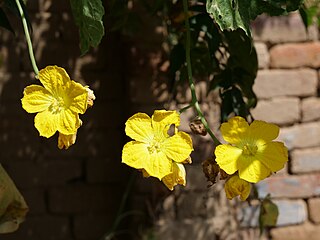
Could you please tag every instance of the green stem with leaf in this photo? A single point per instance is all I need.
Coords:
(28, 38)
(195, 102)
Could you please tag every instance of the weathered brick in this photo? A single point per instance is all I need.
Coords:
(278, 110)
(314, 209)
(294, 186)
(263, 54)
(196, 228)
(282, 29)
(305, 160)
(301, 136)
(42, 227)
(290, 212)
(196, 179)
(273, 83)
(191, 204)
(92, 226)
(84, 199)
(28, 174)
(295, 55)
(310, 108)
(306, 231)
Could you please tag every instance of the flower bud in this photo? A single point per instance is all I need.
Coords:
(91, 97)
(236, 186)
(197, 127)
(65, 141)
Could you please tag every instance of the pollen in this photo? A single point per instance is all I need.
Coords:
(249, 150)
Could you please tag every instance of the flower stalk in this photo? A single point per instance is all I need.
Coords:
(195, 102)
(28, 38)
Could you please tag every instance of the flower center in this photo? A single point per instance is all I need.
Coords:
(249, 149)
(154, 147)
(57, 105)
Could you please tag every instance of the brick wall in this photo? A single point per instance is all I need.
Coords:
(287, 86)
(73, 194)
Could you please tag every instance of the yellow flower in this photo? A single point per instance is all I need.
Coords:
(13, 208)
(57, 104)
(252, 153)
(236, 186)
(178, 176)
(154, 150)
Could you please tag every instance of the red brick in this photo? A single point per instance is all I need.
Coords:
(300, 232)
(295, 186)
(92, 226)
(278, 110)
(28, 174)
(310, 109)
(274, 83)
(282, 29)
(84, 199)
(105, 170)
(301, 136)
(42, 227)
(314, 210)
(35, 199)
(295, 55)
(305, 160)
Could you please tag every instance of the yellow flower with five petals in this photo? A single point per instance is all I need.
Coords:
(57, 104)
(251, 151)
(154, 150)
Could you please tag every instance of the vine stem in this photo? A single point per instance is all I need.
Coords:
(28, 38)
(195, 102)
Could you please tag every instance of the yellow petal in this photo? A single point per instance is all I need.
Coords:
(178, 176)
(274, 155)
(234, 130)
(162, 120)
(263, 130)
(135, 154)
(227, 157)
(78, 96)
(13, 208)
(252, 170)
(36, 99)
(178, 147)
(65, 141)
(138, 127)
(235, 186)
(69, 122)
(46, 123)
(53, 77)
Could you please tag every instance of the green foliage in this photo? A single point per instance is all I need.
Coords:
(88, 17)
(11, 6)
(234, 14)
(268, 214)
(310, 12)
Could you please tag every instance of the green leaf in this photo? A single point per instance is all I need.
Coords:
(4, 21)
(234, 14)
(88, 17)
(268, 214)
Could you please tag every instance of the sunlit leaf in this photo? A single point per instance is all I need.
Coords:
(234, 14)
(268, 214)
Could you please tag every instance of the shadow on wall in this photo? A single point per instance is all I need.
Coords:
(73, 194)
